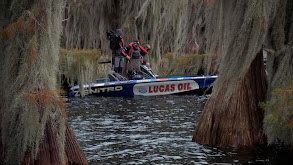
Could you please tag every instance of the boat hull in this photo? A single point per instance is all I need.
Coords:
(146, 87)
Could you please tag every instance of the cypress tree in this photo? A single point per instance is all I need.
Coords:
(33, 128)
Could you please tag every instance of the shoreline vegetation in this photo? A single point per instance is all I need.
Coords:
(80, 66)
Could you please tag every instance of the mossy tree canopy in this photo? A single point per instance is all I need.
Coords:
(168, 27)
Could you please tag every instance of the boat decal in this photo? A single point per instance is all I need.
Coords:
(144, 80)
(99, 84)
(204, 77)
(164, 88)
(99, 90)
(161, 79)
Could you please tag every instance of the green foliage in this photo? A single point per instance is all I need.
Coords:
(278, 121)
(80, 57)
(262, 105)
(188, 64)
(79, 65)
(191, 62)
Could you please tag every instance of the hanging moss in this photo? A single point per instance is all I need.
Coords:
(278, 117)
(288, 24)
(165, 65)
(236, 52)
(28, 78)
(278, 122)
(189, 64)
(235, 31)
(19, 6)
(168, 27)
(81, 66)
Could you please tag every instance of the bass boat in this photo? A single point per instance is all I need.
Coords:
(144, 83)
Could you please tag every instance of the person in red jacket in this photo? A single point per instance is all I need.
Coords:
(116, 45)
(134, 52)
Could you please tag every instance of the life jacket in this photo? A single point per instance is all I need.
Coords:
(135, 53)
(139, 47)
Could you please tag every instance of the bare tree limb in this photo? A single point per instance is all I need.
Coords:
(144, 6)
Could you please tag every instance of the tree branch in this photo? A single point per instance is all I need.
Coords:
(144, 6)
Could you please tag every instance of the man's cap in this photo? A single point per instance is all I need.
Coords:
(136, 42)
(118, 32)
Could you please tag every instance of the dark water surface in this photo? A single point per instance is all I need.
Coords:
(153, 130)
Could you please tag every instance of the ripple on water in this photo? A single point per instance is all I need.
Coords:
(146, 130)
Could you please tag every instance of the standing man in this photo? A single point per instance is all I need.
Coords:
(135, 53)
(116, 45)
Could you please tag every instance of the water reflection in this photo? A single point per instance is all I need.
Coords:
(148, 130)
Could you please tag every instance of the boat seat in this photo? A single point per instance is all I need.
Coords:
(104, 61)
(101, 80)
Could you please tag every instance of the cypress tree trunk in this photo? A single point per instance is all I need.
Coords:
(49, 153)
(33, 128)
(235, 31)
(238, 120)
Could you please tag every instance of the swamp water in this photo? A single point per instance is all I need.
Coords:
(153, 130)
